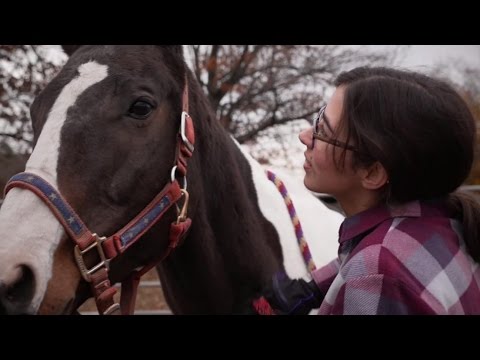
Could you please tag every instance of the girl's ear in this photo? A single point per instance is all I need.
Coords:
(374, 177)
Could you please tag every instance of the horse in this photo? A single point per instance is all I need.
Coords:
(126, 143)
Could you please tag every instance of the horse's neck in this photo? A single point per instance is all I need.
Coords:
(232, 249)
(224, 173)
(228, 186)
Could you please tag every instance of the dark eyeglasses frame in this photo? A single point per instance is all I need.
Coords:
(318, 136)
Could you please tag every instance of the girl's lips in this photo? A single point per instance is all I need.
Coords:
(307, 165)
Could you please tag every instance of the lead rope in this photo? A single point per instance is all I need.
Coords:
(307, 256)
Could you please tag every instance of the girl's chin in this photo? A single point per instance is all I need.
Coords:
(307, 182)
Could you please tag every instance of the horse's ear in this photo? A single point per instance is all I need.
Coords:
(176, 49)
(70, 49)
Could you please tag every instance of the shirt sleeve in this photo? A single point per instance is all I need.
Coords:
(325, 275)
(378, 295)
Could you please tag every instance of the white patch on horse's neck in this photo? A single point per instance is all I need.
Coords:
(320, 225)
(44, 159)
(30, 232)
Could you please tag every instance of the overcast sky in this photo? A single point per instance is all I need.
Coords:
(452, 59)
(418, 56)
(425, 55)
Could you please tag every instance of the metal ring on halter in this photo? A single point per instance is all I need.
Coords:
(172, 174)
(183, 134)
(172, 177)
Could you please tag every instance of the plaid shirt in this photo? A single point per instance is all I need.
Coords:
(403, 260)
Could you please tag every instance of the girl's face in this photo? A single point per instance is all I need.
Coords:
(321, 173)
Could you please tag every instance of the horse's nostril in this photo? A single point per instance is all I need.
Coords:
(22, 290)
(16, 290)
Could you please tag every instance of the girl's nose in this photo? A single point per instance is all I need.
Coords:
(306, 138)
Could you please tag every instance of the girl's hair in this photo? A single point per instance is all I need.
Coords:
(420, 130)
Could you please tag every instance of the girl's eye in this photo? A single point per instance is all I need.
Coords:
(321, 130)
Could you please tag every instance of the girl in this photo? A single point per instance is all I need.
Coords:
(392, 146)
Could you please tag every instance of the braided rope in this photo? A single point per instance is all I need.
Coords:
(307, 256)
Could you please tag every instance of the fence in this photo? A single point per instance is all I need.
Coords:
(150, 300)
(473, 188)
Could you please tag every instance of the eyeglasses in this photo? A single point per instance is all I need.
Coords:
(318, 132)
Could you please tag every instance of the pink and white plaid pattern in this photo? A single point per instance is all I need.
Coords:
(403, 260)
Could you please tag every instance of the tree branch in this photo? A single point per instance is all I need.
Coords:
(17, 137)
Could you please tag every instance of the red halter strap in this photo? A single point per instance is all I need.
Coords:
(108, 248)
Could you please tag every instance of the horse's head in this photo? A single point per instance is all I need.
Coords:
(106, 132)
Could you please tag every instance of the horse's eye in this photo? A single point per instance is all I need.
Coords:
(140, 109)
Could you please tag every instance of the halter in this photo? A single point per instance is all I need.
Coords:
(107, 248)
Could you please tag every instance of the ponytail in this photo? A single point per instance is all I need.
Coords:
(467, 206)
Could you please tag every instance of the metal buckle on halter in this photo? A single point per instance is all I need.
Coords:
(185, 140)
(112, 309)
(182, 214)
(97, 244)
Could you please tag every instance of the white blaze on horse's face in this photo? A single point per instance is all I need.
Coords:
(29, 231)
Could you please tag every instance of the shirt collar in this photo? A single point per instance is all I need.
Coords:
(368, 219)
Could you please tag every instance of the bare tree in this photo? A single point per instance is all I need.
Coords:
(24, 71)
(254, 87)
(251, 87)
